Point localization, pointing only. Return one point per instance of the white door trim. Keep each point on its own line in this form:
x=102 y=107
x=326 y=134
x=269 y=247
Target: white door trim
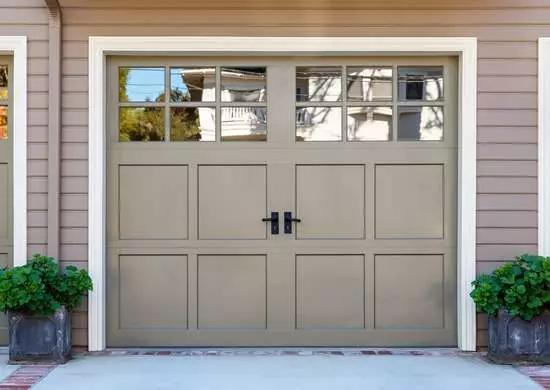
x=544 y=146
x=464 y=48
x=16 y=46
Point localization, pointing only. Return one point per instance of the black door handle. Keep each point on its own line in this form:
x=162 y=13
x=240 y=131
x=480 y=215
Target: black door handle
x=274 y=222
x=288 y=222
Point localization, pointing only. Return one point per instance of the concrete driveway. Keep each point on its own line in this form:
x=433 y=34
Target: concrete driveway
x=284 y=373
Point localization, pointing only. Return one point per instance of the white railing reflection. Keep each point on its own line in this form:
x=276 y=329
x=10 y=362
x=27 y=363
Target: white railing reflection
x=259 y=115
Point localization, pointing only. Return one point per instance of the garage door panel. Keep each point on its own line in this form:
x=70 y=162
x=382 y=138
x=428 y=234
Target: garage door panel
x=232 y=292
x=153 y=202
x=152 y=292
x=330 y=201
x=409 y=291
x=409 y=201
x=330 y=292
x=232 y=200
x=371 y=258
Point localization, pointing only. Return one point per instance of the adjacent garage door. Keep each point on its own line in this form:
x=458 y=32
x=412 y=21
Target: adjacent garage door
x=6 y=209
x=262 y=202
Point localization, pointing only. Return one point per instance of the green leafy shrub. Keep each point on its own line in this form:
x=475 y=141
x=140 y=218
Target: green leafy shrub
x=522 y=288
x=40 y=287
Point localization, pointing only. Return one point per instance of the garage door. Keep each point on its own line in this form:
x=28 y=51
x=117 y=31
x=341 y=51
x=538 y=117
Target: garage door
x=262 y=202
x=6 y=213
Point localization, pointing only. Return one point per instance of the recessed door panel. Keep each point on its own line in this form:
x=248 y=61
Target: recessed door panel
x=232 y=292
x=153 y=202
x=330 y=201
x=232 y=200
x=330 y=292
x=152 y=292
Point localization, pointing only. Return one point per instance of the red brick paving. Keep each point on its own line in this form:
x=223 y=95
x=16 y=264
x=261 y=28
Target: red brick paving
x=540 y=374
x=25 y=377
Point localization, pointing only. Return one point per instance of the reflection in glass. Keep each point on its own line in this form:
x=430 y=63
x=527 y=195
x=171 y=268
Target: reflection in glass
x=369 y=123
x=421 y=83
x=192 y=84
x=244 y=123
x=141 y=84
x=3 y=123
x=193 y=124
x=243 y=84
x=319 y=124
x=141 y=124
x=3 y=82
x=318 y=84
x=369 y=84
x=420 y=124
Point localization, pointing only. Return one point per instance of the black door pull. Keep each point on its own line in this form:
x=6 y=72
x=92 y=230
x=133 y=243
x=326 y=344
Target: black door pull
x=274 y=222
x=288 y=222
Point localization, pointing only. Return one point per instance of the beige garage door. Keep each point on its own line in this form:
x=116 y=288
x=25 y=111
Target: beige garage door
x=6 y=210
x=262 y=202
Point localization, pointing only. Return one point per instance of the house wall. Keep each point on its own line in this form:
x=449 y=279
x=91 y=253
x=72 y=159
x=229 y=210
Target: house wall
x=507 y=151
x=30 y=18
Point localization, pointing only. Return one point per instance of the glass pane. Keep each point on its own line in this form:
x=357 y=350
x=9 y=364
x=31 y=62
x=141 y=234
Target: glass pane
x=420 y=124
x=318 y=84
x=243 y=84
x=319 y=124
x=3 y=123
x=369 y=123
x=244 y=123
x=3 y=82
x=141 y=84
x=141 y=124
x=192 y=84
x=421 y=83
x=193 y=124
x=369 y=84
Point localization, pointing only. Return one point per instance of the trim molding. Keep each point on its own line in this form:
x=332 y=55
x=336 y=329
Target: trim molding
x=54 y=125
x=464 y=48
x=544 y=146
x=16 y=46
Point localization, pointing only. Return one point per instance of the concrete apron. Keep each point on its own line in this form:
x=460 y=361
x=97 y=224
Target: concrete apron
x=283 y=369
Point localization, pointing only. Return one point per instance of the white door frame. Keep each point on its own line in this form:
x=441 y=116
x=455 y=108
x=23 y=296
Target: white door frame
x=544 y=146
x=464 y=48
x=16 y=47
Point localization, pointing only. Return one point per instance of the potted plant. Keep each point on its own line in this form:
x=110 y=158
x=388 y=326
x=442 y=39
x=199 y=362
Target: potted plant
x=516 y=297
x=38 y=298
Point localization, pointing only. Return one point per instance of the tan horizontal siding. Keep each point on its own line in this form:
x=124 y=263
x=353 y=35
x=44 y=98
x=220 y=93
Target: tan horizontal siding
x=498 y=168
x=507 y=185
x=507 y=134
x=307 y=4
x=507 y=219
x=501 y=253
x=510 y=100
x=282 y=18
x=507 y=31
x=30 y=18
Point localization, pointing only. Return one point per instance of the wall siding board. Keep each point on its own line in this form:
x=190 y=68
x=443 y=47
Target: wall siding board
x=30 y=18
x=507 y=31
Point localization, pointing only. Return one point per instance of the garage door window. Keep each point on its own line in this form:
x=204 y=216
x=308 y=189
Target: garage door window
x=4 y=102
x=197 y=103
x=373 y=97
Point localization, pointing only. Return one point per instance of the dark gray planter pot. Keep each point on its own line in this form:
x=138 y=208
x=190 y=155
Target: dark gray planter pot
x=40 y=338
x=513 y=340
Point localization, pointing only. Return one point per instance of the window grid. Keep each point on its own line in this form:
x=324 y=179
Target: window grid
x=167 y=105
x=395 y=103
